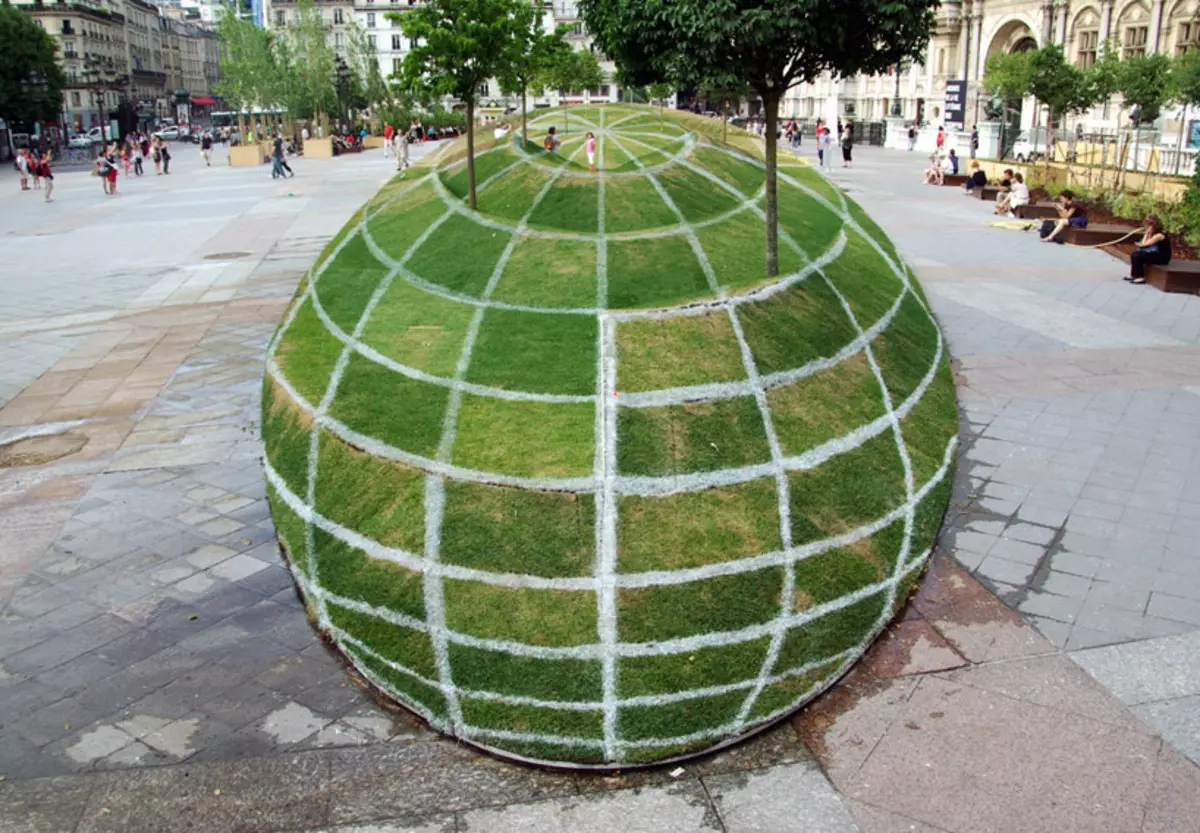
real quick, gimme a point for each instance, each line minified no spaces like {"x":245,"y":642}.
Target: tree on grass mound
{"x":772,"y":45}
{"x":569,"y":478}
{"x":460,"y":45}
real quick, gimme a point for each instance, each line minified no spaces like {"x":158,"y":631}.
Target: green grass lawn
{"x":530,"y":415}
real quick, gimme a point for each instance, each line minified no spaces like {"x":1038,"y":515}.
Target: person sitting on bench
{"x":1017,"y":195}
{"x":952,"y":161}
{"x":977,"y":179}
{"x":1006,"y":187}
{"x":935,"y":174}
{"x":1154,"y":248}
{"x":1070,"y":213}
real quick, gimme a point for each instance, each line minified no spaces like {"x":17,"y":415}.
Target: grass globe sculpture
{"x":569,"y":478}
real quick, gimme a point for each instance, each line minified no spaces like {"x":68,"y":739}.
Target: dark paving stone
{"x":56,"y":720}
{"x":424,"y":778}
{"x":70,"y":678}
{"x":245,"y":704}
{"x":49,"y":805}
{"x":262,"y":617}
{"x":258,"y":795}
{"x":17,"y":635}
{"x":140,"y":679}
{"x":18,"y":699}
{"x":269,"y":582}
{"x":134,"y":647}
{"x":334,"y":697}
{"x":69,"y":645}
{"x":297,"y":673}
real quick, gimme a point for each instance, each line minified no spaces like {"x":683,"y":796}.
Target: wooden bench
{"x":1096,"y":235}
{"x":955,"y":180}
{"x":987,"y":193}
{"x":1177,"y":276}
{"x":1037,"y":211}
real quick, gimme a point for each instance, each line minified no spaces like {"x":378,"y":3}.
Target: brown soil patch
{"x":34,"y":451}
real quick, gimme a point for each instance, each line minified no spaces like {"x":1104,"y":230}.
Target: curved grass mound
{"x":570,"y":479}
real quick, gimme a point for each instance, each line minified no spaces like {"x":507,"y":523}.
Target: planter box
{"x":246,"y":156}
{"x":315,"y":148}
{"x":373,"y":142}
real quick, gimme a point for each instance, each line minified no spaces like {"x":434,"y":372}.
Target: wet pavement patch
{"x":35,"y":451}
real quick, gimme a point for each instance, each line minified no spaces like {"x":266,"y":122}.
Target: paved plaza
{"x":158,"y":672}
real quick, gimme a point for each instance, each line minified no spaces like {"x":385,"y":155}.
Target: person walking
{"x":912,"y":138}
{"x":823,"y":141}
{"x":974,"y":141}
{"x":941,"y":139}
{"x":278,"y":161}
{"x":138,"y":157}
{"x":35,"y":167}
{"x":591,"y":151}
{"x":166,"y":155}
{"x":206,"y":149}
{"x":848,"y":146}
{"x":388,"y":135}
{"x":47,"y":174}
{"x":157,"y":155}
{"x":401,"y":152}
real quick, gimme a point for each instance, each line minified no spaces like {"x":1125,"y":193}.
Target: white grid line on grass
{"x":606,"y":532}
{"x":642,"y":485}
{"x":675,"y":646}
{"x":649,"y":578}
{"x":845,"y":659}
{"x":435,"y":490}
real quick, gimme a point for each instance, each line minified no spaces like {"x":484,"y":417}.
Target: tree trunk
{"x":771,"y":102}
{"x":725,"y":123}
{"x":471,"y":153}
{"x":524,"y":116}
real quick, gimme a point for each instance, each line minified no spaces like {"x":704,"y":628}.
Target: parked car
{"x":168,"y":133}
{"x":1030,"y":145}
{"x":80,"y":141}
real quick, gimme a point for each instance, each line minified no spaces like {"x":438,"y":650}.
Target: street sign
{"x":956,"y":103}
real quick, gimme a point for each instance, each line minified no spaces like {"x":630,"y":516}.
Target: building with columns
{"x":968,"y":32}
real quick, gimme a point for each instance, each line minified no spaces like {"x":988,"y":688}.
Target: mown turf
{"x":405,"y":646}
{"x":543,"y":272}
{"x":440,"y":259}
{"x":722,"y":665}
{"x":519,"y":531}
{"x":381,"y":499}
{"x":348,"y":283}
{"x":571,"y":204}
{"x":537,"y":352}
{"x":694,"y":196}
{"x":826,"y":405}
{"x":657,"y":353}
{"x":486,"y":165}
{"x":396,"y":227}
{"x":530,"y":439}
{"x":737,"y":249}
{"x":286,"y":434}
{"x":862,"y":275}
{"x":534,"y":617}
{"x":830,"y":634}
{"x":513,"y":194}
{"x":811,"y":226}
{"x":479,"y":669}
{"x":419,"y":329}
{"x":747,"y":178}
{"x":680,"y":718}
{"x":633,"y":204}
{"x":657,"y":271}
{"x":703,"y":436}
{"x":307,"y":354}
{"x":488,"y":714}
{"x":784,"y":693}
{"x":906,"y":349}
{"x":352,"y":574}
{"x":847,"y":491}
{"x":384,"y":405}
{"x":290,"y":529}
{"x":691,"y":529}
{"x":725,"y":603}
{"x":793,"y":327}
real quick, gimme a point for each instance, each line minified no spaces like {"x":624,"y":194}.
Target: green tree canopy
{"x":1185,"y":78}
{"x":460,"y":45}
{"x":1144,"y":82}
{"x":31,"y":80}
{"x":531,"y":52}
{"x":770,"y":44}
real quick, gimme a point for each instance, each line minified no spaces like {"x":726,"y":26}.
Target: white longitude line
{"x":435,"y":484}
{"x":606,"y":531}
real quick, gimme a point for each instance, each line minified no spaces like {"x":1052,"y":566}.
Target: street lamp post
{"x":897,"y":112}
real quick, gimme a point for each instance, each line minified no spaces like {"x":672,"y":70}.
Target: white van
{"x":1030,"y":145}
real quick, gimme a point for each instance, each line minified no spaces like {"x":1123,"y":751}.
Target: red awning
{"x":203,"y":100}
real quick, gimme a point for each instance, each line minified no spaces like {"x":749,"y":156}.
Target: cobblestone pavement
{"x":157,"y":671}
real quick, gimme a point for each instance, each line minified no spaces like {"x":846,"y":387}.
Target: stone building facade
{"x":968,"y":32}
